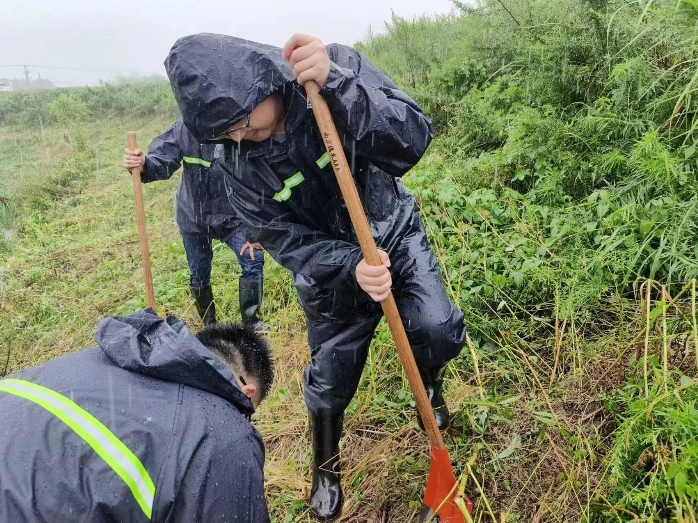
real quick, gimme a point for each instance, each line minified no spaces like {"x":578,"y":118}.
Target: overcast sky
{"x":135,"y":36}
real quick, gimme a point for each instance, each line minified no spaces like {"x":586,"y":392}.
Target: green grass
{"x":560,"y":198}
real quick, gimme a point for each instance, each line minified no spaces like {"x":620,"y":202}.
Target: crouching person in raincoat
{"x":280,"y":183}
{"x":203,"y":213}
{"x":152,"y":426}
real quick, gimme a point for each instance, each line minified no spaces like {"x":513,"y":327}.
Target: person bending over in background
{"x":203,"y":213}
{"x":280,"y":182}
{"x":152,"y":426}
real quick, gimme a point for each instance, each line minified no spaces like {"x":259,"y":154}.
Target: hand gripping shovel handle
{"x":142,"y":232}
{"x":370,"y":253}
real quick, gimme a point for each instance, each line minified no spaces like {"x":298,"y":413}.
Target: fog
{"x":81,"y":42}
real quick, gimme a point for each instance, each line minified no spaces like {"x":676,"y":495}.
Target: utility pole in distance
{"x":26,"y":75}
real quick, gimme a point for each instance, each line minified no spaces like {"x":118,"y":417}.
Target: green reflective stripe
{"x":285,"y":193}
{"x":323,"y":160}
{"x":100,"y":438}
{"x":198,"y":161}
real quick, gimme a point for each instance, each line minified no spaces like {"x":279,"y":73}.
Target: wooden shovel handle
{"x":370,"y":252}
{"x":142,"y":232}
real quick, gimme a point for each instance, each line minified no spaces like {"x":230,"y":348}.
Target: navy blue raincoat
{"x":181,"y":447}
{"x":302,"y":221}
{"x":202,"y":206}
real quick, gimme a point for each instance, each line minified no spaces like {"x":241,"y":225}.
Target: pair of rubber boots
{"x":325,"y":432}
{"x":250,"y":296}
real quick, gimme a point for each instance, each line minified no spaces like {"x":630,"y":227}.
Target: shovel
{"x":142,"y":232}
{"x":441,"y":496}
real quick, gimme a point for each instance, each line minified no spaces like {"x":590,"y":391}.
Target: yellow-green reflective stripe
{"x":198,"y":161}
{"x":100,"y":438}
{"x":323,"y":160}
{"x":285,"y":193}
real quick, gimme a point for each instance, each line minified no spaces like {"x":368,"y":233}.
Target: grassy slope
{"x":75,"y":259}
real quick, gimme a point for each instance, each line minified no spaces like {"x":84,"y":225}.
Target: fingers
{"x":371,"y":271}
{"x":249,"y":246}
{"x":303,"y":53}
{"x":296,"y":40}
{"x":304,"y":65}
{"x":379,"y":279}
{"x":385,"y":259}
{"x":380,"y":292}
{"x":309,"y":74}
{"x":133,"y":158}
{"x":378,"y":289}
{"x":374,"y":280}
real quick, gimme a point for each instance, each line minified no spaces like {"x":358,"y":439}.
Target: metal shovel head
{"x":442,"y":490}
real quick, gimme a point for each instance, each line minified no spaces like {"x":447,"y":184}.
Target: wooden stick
{"x":370,"y":252}
{"x":142,"y":232}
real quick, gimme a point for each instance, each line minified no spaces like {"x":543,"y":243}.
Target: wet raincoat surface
{"x":149,"y":426}
{"x":202,"y":207}
{"x":287,"y":196}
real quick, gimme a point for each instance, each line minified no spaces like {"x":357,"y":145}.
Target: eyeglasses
{"x":242,"y":129}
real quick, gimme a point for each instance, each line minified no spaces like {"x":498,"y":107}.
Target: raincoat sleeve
{"x":299,"y":248}
{"x":164,"y":154}
{"x":390,"y":128}
{"x":224,"y":479}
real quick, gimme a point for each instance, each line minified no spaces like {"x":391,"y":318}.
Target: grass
{"x":537,"y":411}
{"x":560,"y":199}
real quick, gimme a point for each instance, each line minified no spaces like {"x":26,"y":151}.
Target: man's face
{"x":263,"y":120}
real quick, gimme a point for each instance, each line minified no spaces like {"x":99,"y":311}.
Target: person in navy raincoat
{"x":151,"y":426}
{"x":203,"y":213}
{"x":282,"y":187}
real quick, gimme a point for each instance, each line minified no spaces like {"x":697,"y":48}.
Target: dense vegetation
{"x":563,"y":183}
{"x":561,"y":198}
{"x":38,"y":108}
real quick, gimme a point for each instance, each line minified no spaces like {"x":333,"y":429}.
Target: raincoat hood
{"x":218,"y":80}
{"x":164,"y":348}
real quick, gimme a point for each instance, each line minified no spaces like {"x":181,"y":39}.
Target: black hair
{"x":243,"y":349}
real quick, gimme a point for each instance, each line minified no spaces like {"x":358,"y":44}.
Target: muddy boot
{"x":326,"y":494}
{"x":250,"y":293}
{"x":433,"y":382}
{"x":203,"y":298}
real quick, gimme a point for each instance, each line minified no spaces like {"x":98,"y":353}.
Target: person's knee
{"x":436,"y":341}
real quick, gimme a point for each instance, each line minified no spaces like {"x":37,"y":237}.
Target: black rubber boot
{"x":326,"y":494}
{"x":250,"y":293}
{"x":203,"y":298}
{"x":433,"y":382}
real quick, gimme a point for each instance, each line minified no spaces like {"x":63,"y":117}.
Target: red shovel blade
{"x":441,"y":489}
